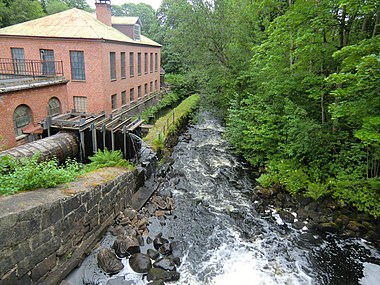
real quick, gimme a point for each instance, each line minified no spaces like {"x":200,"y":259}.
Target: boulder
{"x":156,"y":282}
{"x":165,"y":264}
{"x":329,"y":227}
{"x":140,"y":263}
{"x":153,"y":254}
{"x":126,"y":245}
{"x":159,"y":241}
{"x":117,"y":231}
{"x":160,"y":274}
{"x":109,"y":262}
{"x":165,"y":249}
{"x":286,"y":216}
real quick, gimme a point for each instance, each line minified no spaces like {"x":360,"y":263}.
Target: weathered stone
{"x":158,"y":242}
{"x":355,"y":226}
{"x":109,"y":262}
{"x":51,"y":215}
{"x":140,"y":263}
{"x":160,"y":274}
{"x":118,"y":281}
{"x":117,"y":231}
{"x":130,"y":213}
{"x":330,"y":227}
{"x":125,"y":246}
{"x":70,"y":204}
{"x":165,"y":249}
{"x":153,"y":254}
{"x":286,"y":216}
{"x":44,"y":267}
{"x":165,"y":264}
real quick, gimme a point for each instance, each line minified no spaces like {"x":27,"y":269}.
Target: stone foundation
{"x":46,"y":233}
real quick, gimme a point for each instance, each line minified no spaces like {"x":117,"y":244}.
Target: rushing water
{"x":226,"y":242}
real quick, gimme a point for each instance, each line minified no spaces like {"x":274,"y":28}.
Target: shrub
{"x":29,"y":173}
{"x":107,"y":158}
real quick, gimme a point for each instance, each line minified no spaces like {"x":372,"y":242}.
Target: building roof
{"x":73,"y":23}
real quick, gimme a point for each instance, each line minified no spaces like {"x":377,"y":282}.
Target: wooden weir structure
{"x":97,"y":131}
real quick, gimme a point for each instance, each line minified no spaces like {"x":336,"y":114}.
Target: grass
{"x":157,"y":135}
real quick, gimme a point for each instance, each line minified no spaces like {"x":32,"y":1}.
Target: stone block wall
{"x":46,"y":233}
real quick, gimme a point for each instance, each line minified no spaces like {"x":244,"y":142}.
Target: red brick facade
{"x":96,"y":90}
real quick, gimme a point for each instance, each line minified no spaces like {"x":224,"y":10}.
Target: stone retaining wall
{"x":46,"y":233}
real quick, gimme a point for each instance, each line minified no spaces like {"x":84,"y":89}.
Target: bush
{"x":29,"y":173}
{"x":107,"y":158}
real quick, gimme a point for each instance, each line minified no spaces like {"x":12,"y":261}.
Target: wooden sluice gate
{"x":79,"y":135}
{"x":97,"y":132}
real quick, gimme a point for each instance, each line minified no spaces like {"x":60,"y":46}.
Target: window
{"x":139,"y":91}
{"x":151,"y":62}
{"x":131,"y":64}
{"x":19,"y":60}
{"x":155,"y":85}
{"x":146,"y":89}
{"x":80,"y":104}
{"x":151,"y":86}
{"x":156,"y":62}
{"x":146,"y":62}
{"x":122,"y":65}
{"x":136,"y":32}
{"x":22,"y":117}
{"x":54,"y":107}
{"x":47,"y":57}
{"x":113,"y":65}
{"x":77,"y":65}
{"x":131,"y":95}
{"x":114,"y":102}
{"x":123,"y":97}
{"x":139,"y":63}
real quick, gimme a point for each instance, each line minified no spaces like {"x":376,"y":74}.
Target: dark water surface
{"x":226,"y":242}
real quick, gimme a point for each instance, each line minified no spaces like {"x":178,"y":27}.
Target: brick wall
{"x":46,"y":233}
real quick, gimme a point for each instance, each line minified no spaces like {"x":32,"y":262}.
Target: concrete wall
{"x":46,"y":233}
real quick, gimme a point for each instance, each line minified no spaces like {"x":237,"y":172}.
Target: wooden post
{"x":104,"y":136}
{"x":94,"y":141}
{"x":125,"y":141}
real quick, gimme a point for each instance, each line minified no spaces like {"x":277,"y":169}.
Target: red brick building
{"x":105,"y":66}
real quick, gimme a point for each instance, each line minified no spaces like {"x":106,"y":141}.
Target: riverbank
{"x":325,"y":215}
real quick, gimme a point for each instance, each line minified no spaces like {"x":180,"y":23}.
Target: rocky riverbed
{"x":324,"y":216}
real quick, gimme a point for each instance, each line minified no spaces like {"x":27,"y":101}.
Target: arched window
{"x":21,"y":118}
{"x":54,"y":107}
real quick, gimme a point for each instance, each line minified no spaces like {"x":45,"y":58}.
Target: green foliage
{"x":158,"y":142}
{"x":18,"y":11}
{"x":30,"y":174}
{"x":55,"y":6}
{"x":168,"y":101}
{"x":107,"y":158}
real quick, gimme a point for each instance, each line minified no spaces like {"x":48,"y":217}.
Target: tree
{"x":18,"y":11}
{"x":55,"y":6}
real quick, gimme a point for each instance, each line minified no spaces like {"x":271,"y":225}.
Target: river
{"x":226,"y":242}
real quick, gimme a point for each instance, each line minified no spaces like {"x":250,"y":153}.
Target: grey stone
{"x":125,"y":246}
{"x":108,"y":261}
{"x":44,"y":267}
{"x":140,"y":263}
{"x":165,"y":264}
{"x":155,"y":274}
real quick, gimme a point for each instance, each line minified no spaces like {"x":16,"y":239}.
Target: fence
{"x":169,"y":121}
{"x":14,"y":68}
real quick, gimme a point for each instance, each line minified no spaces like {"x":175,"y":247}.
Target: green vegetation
{"x":157,"y":135}
{"x":298,"y":83}
{"x":30,"y":174}
{"x":107,"y":158}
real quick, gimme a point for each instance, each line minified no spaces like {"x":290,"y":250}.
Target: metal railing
{"x":15,"y":68}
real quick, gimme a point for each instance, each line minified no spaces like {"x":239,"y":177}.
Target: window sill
{"x":123,"y":77}
{"x":131,"y":76}
{"x":112,"y":80}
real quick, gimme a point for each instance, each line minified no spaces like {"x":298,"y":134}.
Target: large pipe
{"x":59,"y":146}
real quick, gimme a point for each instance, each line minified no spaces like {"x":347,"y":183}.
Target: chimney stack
{"x":103,"y":11}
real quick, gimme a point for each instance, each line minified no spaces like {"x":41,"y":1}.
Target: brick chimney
{"x":103,"y":11}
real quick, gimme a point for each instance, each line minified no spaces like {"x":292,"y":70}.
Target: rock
{"x":125,"y":221}
{"x":342,"y":220}
{"x":140,"y":240}
{"x":109,"y":262}
{"x":126,"y":245}
{"x":149,"y":240}
{"x":140,"y":263}
{"x":153,"y":254}
{"x":265,"y":193}
{"x":117,"y":231}
{"x":177,"y":250}
{"x":330,"y":227}
{"x":165,"y":264}
{"x":286,"y":216}
{"x":160,"y":274}
{"x":116,"y":281}
{"x":130,"y":213}
{"x":298,"y":225}
{"x":158,"y":242}
{"x":355,"y":226}
{"x":165,"y":249}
